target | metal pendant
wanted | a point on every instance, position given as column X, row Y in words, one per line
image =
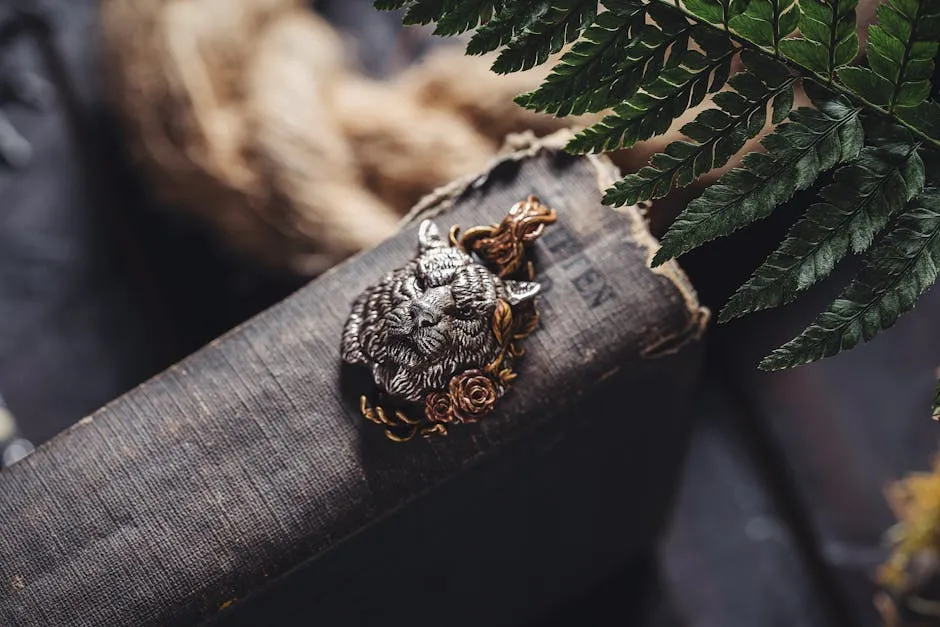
column 439, row 335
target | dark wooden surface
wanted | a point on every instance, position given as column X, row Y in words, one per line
column 824, row 441
column 730, row 557
column 843, row 429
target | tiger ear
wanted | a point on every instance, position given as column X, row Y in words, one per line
column 429, row 237
column 519, row 292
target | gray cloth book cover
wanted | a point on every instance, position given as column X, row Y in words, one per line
column 244, row 479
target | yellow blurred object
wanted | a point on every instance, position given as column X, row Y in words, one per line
column 915, row 501
column 915, row 557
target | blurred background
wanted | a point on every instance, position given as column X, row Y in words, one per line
column 182, row 165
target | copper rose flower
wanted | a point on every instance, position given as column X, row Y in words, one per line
column 473, row 394
column 438, row 408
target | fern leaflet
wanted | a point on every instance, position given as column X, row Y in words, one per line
column 718, row 12
column 896, row 273
column 829, row 40
column 390, row 5
column 426, row 11
column 561, row 24
column 925, row 117
column 901, row 49
column 591, row 74
column 813, row 141
column 718, row 133
column 857, row 205
column 643, row 56
column 767, row 22
column 683, row 83
column 465, row 15
column 513, row 18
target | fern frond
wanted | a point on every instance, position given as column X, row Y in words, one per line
column 591, row 74
column 426, row 11
column 828, row 37
column 391, row 5
column 683, row 83
column 561, row 24
column 925, row 117
column 718, row 12
column 901, row 49
column 466, row 15
column 813, row 141
column 642, row 57
column 857, row 205
column 718, row 134
column 513, row 19
column 648, row 61
column 767, row 22
column 896, row 273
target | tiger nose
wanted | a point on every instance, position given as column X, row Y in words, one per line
column 423, row 316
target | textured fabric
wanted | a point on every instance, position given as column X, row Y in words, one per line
column 249, row 459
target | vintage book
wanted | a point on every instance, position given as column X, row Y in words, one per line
column 243, row 486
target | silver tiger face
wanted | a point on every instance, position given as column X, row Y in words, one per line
column 429, row 319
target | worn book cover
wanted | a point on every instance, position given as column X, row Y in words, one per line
column 242, row 485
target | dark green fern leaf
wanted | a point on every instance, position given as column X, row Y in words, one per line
column 924, row 117
column 813, row 141
column 648, row 62
column 767, row 22
column 717, row 134
column 856, row 206
column 828, row 36
column 391, row 5
column 895, row 274
column 561, row 24
column 589, row 75
column 465, row 15
column 427, row 11
column 715, row 11
column 514, row 19
column 644, row 56
column 682, row 83
column 900, row 51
